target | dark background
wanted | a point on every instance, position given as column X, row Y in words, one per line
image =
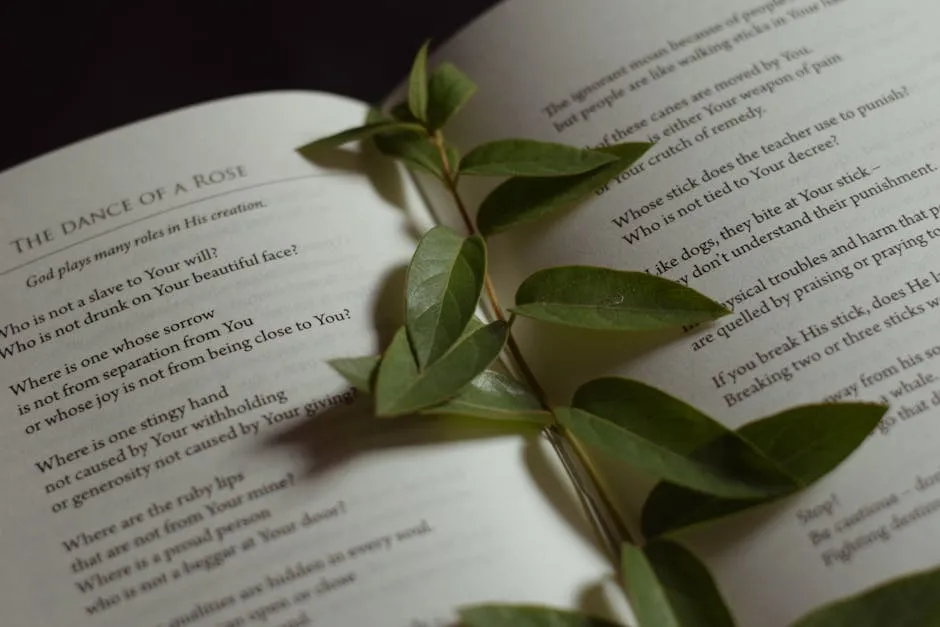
column 74, row 69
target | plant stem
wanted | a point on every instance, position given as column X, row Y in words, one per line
column 595, row 499
column 450, row 180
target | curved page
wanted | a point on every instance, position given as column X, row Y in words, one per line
column 795, row 178
column 176, row 450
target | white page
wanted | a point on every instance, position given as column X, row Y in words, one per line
column 851, row 86
column 229, row 477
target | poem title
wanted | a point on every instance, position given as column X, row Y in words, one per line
column 108, row 213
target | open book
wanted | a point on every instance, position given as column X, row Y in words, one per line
column 177, row 452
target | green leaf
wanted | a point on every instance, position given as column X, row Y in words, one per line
column 613, row 300
column 495, row 396
column 527, row 157
column 360, row 371
column 811, row 440
column 526, row 616
column 910, row 601
column 418, row 84
column 442, row 289
column 358, row 133
column 649, row 412
column 417, row 152
column 806, row 442
column 653, row 451
column 669, row 587
column 521, row 200
column 449, row 89
column 401, row 389
column 658, row 417
column 402, row 113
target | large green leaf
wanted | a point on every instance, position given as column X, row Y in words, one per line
column 526, row 616
column 402, row 389
column 360, row 371
column 495, row 396
column 442, row 289
column 663, row 458
column 524, row 199
column 659, row 417
column 810, row 440
column 418, row 84
column 614, row 300
column 528, row 157
column 669, row 587
column 449, row 89
column 806, row 442
column 358, row 133
column 910, row 601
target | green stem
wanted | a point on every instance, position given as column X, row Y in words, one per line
column 613, row 525
column 450, row 180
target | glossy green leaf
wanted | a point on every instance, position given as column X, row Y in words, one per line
column 418, row 84
column 359, row 133
column 442, row 289
column 613, row 300
column 910, row 601
column 660, row 457
column 524, row 199
column 669, row 587
column 402, row 389
column 495, row 396
column 806, row 442
column 449, row 89
column 360, row 371
column 528, row 157
column 526, row 616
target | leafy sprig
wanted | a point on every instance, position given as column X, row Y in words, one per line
column 440, row 362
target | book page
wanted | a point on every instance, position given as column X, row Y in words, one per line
column 176, row 451
column 794, row 177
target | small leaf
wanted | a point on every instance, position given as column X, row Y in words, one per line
column 527, row 157
column 662, row 458
column 442, row 289
column 614, row 300
column 418, row 84
column 526, row 616
column 401, row 389
column 495, row 396
column 416, row 151
column 669, row 587
column 806, row 442
column 449, row 89
column 521, row 200
column 910, row 601
column 358, row 133
column 398, row 368
column 360, row 371
column 402, row 113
